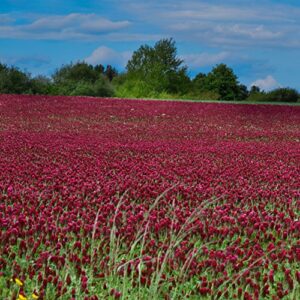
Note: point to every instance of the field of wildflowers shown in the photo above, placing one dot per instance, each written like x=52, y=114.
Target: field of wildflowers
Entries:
x=128, y=199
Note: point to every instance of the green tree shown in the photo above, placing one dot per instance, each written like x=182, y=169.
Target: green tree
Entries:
x=243, y=92
x=283, y=95
x=256, y=95
x=254, y=89
x=200, y=85
x=13, y=81
x=223, y=81
x=80, y=71
x=200, y=81
x=82, y=79
x=40, y=85
x=158, y=69
x=110, y=72
x=99, y=68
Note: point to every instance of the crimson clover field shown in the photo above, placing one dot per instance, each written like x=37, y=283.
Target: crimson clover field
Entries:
x=128, y=199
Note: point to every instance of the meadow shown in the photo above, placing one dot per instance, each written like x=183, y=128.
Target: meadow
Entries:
x=129, y=199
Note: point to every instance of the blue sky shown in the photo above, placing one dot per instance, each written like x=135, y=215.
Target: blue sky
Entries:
x=260, y=40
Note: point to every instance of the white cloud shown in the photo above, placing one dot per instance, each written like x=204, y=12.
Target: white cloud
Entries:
x=133, y=37
x=83, y=22
x=105, y=55
x=63, y=27
x=204, y=59
x=225, y=11
x=5, y=18
x=249, y=31
x=266, y=84
x=227, y=24
x=224, y=34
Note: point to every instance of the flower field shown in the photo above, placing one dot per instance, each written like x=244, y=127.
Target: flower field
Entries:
x=127, y=199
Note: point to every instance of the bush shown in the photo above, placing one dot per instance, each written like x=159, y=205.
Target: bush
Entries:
x=13, y=81
x=208, y=95
x=157, y=70
x=41, y=85
x=82, y=79
x=80, y=71
x=135, y=89
x=83, y=89
x=101, y=88
x=257, y=97
x=283, y=95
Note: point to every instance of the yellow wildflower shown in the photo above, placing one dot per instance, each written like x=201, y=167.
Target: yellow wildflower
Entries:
x=22, y=297
x=18, y=282
x=35, y=296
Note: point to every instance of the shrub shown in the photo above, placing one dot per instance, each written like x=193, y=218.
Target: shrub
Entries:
x=134, y=89
x=13, y=81
x=101, y=88
x=80, y=71
x=81, y=79
x=41, y=85
x=83, y=89
x=257, y=97
x=283, y=95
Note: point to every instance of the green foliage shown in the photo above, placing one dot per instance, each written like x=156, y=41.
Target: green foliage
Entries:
x=83, y=89
x=283, y=95
x=100, y=88
x=157, y=70
x=257, y=97
x=208, y=95
x=41, y=85
x=199, y=83
x=179, y=83
x=223, y=81
x=110, y=72
x=103, y=87
x=220, y=81
x=82, y=79
x=13, y=81
x=99, y=69
x=135, y=89
x=254, y=89
x=80, y=71
x=243, y=92
x=277, y=95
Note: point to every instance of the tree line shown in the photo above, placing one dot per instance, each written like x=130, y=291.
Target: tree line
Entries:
x=152, y=72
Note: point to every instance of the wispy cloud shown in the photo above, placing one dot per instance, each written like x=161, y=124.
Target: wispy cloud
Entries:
x=259, y=32
x=267, y=83
x=198, y=60
x=6, y=18
x=89, y=23
x=105, y=55
x=243, y=12
x=225, y=24
x=63, y=27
